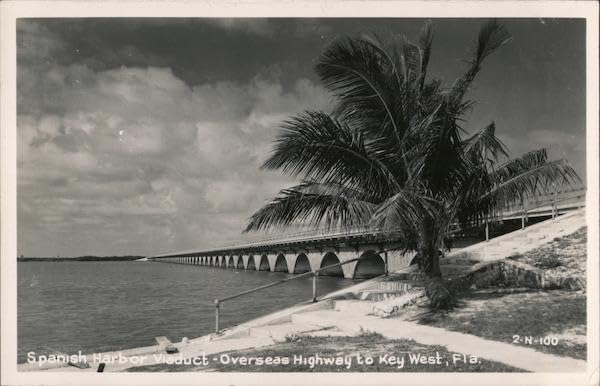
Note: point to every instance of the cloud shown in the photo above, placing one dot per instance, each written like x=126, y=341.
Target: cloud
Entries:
x=135, y=154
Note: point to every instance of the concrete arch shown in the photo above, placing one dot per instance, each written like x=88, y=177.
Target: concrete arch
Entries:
x=369, y=265
x=280, y=264
x=240, y=263
x=230, y=263
x=251, y=265
x=264, y=264
x=223, y=263
x=331, y=258
x=302, y=264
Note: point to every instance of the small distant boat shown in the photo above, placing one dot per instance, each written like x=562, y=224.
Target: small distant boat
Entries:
x=143, y=259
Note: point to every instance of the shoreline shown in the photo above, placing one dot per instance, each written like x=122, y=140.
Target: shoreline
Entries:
x=80, y=258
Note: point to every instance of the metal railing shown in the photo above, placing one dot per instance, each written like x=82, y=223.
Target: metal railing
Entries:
x=523, y=210
x=551, y=200
x=314, y=275
x=320, y=234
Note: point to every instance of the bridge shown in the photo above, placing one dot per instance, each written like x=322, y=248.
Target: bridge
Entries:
x=358, y=253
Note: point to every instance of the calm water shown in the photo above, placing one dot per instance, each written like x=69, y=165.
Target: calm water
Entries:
x=102, y=306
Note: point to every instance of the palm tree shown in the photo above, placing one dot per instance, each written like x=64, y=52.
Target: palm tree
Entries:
x=393, y=155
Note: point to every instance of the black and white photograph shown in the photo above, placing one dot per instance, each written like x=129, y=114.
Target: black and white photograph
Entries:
x=320, y=197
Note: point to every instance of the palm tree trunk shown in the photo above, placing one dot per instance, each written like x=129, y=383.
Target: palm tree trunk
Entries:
x=428, y=248
x=440, y=296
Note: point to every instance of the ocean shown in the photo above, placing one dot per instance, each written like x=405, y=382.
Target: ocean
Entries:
x=103, y=306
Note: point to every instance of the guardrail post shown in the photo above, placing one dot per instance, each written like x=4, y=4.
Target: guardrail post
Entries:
x=386, y=268
x=314, y=285
x=522, y=213
x=555, y=203
x=487, y=230
x=217, y=307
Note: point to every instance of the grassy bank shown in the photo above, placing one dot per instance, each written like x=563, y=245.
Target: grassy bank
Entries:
x=562, y=257
x=502, y=314
x=538, y=314
x=367, y=345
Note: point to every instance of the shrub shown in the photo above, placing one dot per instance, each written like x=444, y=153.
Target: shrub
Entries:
x=439, y=294
x=292, y=338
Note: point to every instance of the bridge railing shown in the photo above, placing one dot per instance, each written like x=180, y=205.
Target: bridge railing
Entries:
x=314, y=275
x=553, y=202
x=529, y=204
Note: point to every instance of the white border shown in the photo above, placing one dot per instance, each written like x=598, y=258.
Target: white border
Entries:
x=10, y=10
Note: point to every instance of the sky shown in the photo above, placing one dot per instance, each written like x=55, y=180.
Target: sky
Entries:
x=141, y=136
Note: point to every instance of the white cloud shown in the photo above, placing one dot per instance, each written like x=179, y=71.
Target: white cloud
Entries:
x=135, y=154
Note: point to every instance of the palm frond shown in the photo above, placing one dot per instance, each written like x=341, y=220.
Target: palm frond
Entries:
x=529, y=175
x=485, y=142
x=436, y=157
x=314, y=203
x=518, y=165
x=320, y=148
x=469, y=203
x=425, y=42
x=404, y=210
x=492, y=36
x=387, y=49
x=359, y=75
